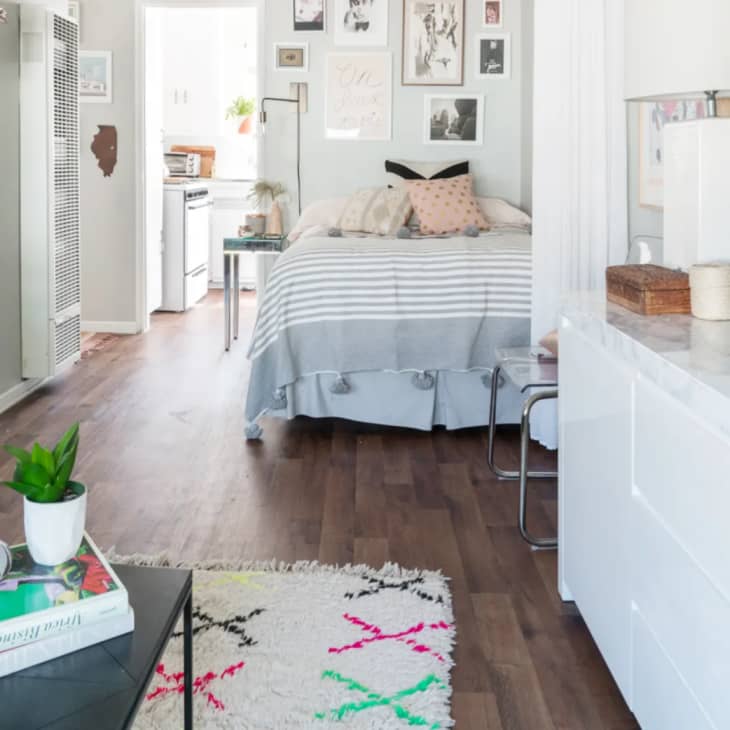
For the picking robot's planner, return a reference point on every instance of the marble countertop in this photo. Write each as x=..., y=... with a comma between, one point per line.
x=686, y=357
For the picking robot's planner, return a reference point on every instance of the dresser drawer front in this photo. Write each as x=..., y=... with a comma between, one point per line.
x=662, y=699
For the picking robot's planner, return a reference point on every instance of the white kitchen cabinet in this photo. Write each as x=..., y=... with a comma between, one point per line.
x=229, y=212
x=193, y=103
x=644, y=498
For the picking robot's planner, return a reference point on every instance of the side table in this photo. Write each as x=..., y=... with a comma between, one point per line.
x=232, y=249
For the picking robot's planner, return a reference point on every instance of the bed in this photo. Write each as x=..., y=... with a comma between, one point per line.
x=398, y=332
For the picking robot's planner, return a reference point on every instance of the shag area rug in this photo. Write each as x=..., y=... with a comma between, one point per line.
x=310, y=646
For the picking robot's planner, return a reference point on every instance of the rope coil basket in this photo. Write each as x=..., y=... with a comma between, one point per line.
x=710, y=291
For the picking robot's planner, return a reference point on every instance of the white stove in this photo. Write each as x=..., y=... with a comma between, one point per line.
x=187, y=207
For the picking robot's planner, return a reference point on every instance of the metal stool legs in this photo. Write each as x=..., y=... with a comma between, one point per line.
x=538, y=542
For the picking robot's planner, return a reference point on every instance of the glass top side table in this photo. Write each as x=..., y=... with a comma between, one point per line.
x=233, y=247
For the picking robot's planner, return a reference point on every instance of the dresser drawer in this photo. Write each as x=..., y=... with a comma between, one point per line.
x=662, y=699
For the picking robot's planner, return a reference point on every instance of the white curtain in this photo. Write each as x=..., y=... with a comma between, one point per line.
x=580, y=216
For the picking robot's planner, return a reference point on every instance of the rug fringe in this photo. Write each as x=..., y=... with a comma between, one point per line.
x=164, y=560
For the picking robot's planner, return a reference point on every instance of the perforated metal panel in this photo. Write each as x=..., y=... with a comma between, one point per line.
x=65, y=240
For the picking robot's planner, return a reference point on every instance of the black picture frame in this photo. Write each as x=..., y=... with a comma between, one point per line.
x=315, y=25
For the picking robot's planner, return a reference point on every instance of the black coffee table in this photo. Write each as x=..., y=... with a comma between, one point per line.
x=101, y=688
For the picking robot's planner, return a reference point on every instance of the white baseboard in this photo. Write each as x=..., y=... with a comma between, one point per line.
x=16, y=394
x=112, y=328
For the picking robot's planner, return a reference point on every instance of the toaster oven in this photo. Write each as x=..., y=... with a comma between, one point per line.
x=183, y=164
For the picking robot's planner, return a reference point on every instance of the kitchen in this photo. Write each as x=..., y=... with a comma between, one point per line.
x=202, y=150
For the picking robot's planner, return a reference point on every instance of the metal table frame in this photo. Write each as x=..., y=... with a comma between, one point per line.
x=523, y=474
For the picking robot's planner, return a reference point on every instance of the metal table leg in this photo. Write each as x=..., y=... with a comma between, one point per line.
x=227, y=301
x=236, y=295
x=188, y=661
x=502, y=473
x=538, y=542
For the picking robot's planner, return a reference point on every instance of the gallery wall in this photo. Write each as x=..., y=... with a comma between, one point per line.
x=502, y=166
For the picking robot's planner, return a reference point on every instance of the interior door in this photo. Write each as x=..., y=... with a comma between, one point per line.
x=154, y=160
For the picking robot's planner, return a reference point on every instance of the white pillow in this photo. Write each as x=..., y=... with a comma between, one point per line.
x=318, y=218
x=382, y=211
x=500, y=212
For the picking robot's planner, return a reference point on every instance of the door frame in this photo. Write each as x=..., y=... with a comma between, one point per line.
x=142, y=315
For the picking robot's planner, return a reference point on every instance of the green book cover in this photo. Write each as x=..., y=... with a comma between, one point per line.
x=38, y=600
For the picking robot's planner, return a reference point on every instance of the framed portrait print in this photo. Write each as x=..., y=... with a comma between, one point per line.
x=494, y=56
x=433, y=43
x=358, y=98
x=291, y=56
x=309, y=14
x=492, y=14
x=653, y=117
x=95, y=77
x=454, y=119
x=361, y=22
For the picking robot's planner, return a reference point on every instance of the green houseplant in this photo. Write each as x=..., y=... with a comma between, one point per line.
x=54, y=506
x=242, y=109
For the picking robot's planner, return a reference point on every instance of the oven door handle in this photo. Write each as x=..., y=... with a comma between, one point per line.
x=195, y=206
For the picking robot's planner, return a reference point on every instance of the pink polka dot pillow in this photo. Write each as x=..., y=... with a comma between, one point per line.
x=446, y=206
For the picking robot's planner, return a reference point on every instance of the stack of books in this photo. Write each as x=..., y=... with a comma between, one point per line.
x=46, y=612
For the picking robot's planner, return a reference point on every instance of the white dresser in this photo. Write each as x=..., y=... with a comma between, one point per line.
x=645, y=504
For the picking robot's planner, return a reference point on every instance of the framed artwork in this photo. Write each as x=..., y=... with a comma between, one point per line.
x=358, y=98
x=361, y=22
x=74, y=10
x=309, y=14
x=433, y=43
x=454, y=119
x=95, y=77
x=291, y=56
x=494, y=55
x=653, y=117
x=492, y=14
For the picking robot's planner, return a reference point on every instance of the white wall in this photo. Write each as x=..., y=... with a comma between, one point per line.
x=108, y=260
x=502, y=166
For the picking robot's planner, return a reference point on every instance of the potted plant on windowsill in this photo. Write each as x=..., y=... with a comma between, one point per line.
x=54, y=506
x=242, y=109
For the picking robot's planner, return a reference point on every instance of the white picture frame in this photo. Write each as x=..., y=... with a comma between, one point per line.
x=433, y=59
x=359, y=96
x=74, y=10
x=362, y=25
x=443, y=124
x=96, y=75
x=492, y=14
x=298, y=50
x=493, y=56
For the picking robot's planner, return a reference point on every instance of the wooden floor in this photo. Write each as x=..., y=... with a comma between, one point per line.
x=163, y=455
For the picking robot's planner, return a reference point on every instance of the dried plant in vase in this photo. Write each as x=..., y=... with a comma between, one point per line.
x=269, y=193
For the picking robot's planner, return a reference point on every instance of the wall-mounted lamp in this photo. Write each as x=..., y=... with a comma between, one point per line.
x=298, y=96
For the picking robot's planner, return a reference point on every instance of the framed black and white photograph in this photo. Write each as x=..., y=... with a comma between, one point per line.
x=309, y=14
x=494, y=56
x=95, y=77
x=361, y=22
x=359, y=96
x=454, y=119
x=291, y=56
x=433, y=43
x=492, y=14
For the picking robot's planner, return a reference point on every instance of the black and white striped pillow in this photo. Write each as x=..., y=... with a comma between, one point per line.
x=398, y=171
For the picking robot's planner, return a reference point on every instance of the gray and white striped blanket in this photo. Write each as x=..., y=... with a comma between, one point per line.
x=343, y=305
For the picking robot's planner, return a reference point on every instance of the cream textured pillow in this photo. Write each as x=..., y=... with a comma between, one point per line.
x=446, y=206
x=377, y=210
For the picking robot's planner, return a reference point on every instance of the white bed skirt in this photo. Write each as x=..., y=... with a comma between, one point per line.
x=456, y=400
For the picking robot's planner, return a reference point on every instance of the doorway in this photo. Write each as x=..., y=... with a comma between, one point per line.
x=194, y=61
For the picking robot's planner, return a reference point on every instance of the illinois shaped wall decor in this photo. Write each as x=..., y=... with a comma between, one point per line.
x=104, y=148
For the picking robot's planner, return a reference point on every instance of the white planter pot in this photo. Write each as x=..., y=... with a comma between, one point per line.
x=54, y=531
